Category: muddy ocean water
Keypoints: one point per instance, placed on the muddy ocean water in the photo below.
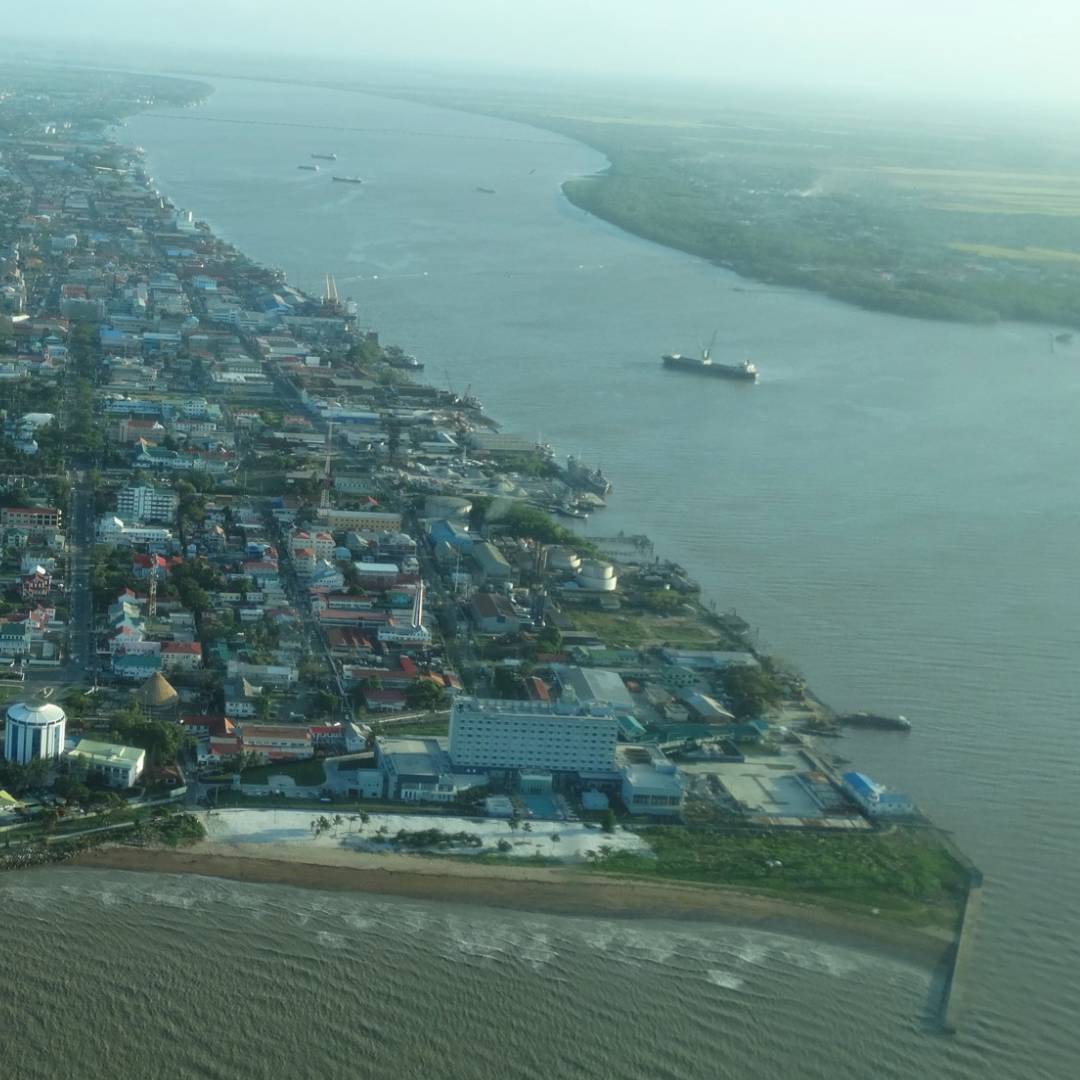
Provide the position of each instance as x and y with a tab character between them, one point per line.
895	505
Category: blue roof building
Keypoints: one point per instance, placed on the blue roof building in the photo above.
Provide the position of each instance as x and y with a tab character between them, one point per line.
875	799
454	534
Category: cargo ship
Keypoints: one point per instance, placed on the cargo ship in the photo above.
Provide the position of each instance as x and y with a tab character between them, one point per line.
348	180
325	157
706	366
580	475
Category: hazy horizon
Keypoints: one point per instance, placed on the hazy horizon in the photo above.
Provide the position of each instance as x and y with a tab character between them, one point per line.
928	50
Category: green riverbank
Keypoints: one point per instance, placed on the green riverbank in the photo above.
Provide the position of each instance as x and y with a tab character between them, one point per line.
917	215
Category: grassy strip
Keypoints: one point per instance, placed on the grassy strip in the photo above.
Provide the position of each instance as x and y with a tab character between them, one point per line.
906	873
309	773
422	727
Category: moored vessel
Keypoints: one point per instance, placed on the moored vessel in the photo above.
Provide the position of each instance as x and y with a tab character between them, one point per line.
874	720
579	475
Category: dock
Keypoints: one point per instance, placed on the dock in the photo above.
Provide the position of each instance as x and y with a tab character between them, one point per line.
952	996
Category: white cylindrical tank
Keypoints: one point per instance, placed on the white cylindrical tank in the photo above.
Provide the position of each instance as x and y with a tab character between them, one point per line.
559	558
34	730
597	576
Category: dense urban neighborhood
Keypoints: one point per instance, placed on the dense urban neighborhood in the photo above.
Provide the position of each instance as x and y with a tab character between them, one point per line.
250	561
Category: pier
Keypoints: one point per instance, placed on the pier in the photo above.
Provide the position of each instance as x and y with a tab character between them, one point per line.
952	996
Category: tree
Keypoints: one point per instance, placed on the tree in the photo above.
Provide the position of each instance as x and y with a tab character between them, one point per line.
750	689
506	683
608	821
549	640
325	701
425	694
662	601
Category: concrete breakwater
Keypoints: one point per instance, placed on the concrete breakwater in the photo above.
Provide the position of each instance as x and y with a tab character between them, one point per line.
960	955
952	996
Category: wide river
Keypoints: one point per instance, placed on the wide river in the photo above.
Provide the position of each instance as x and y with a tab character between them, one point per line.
896	505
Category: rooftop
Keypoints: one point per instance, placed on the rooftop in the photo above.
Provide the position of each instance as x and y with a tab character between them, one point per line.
157	690
99	753
533	708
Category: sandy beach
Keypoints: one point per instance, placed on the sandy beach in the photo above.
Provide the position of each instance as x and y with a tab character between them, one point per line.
551	890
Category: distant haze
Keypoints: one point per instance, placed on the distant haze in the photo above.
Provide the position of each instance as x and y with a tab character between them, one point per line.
997	49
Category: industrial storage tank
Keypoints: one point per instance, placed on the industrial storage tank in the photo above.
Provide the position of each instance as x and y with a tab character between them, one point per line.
596	575
563	559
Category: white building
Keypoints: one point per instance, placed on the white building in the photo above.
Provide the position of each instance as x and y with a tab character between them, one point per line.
118	766
144	503
34	730
418	769
320	542
112	530
559	736
651	784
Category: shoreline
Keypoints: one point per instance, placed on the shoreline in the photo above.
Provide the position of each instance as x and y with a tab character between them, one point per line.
536	890
549	890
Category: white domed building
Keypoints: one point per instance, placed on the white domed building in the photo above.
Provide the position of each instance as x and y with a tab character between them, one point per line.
34	729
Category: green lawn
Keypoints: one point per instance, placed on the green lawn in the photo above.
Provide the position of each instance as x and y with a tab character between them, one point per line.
615	630
308	773
437	726
906	872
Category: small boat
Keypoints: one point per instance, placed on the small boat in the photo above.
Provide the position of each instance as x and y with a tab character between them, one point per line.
405	362
486	190
566	509
347	179
308	168
325	157
874	720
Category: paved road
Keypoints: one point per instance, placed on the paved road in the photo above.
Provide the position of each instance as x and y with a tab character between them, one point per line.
82	653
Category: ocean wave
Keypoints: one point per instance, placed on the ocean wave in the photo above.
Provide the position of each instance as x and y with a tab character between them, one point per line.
724	978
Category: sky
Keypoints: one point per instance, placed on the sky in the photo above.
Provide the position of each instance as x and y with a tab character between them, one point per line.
965	49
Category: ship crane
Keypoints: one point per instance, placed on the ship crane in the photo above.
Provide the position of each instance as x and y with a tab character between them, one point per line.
706	352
